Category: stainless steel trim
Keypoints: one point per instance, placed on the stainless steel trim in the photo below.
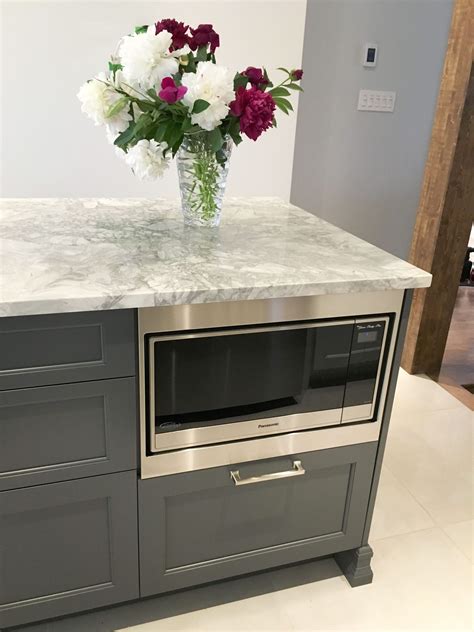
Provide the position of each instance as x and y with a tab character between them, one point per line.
254	330
261	311
298	470
175	440
169	318
281	445
366	411
357	413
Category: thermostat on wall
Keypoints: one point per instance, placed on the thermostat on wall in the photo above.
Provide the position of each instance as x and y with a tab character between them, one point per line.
369	58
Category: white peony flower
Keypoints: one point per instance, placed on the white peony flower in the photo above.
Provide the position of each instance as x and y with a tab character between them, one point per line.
214	84
97	98
147	159
146	58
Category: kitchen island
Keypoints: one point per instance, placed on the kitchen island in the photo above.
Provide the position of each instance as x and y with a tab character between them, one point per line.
91	512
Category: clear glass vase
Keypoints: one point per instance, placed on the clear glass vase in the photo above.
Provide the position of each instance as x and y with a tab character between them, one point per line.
202	179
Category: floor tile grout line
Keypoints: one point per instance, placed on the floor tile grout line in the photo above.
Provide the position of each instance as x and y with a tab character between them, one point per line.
400	535
410	493
471	561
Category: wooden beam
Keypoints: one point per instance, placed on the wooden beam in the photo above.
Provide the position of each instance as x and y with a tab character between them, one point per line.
446	207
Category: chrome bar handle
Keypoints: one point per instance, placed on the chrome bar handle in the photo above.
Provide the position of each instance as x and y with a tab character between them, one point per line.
298	470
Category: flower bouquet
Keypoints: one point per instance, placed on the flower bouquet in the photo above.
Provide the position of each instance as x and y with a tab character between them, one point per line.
164	95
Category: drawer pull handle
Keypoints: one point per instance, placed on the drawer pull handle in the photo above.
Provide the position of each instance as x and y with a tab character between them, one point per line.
298	470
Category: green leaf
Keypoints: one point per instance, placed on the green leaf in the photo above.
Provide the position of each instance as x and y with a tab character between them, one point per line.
215	139
126	136
284	105
146	106
234	130
279	102
191	65
295	86
279	92
240	81
141	29
285	70
160	133
200	105
144	121
114	67
116	107
201	55
267	79
221	157
186	124
152	93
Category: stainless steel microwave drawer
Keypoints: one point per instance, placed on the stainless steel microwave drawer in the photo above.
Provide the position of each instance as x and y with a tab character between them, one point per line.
56	433
210	524
63	348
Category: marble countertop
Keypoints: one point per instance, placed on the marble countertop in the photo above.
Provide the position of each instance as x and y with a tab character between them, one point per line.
62	255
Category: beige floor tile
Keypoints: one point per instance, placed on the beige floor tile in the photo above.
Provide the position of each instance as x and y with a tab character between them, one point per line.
448	433
462	534
421	582
430	453
419	393
396	511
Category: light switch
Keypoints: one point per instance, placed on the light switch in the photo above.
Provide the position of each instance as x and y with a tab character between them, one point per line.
376	101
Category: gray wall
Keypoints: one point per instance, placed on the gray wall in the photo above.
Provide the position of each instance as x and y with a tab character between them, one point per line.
363	170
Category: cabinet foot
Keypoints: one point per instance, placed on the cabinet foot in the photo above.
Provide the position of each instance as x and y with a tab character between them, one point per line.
355	564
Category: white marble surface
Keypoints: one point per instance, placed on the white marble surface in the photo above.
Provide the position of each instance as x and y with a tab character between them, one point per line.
60	255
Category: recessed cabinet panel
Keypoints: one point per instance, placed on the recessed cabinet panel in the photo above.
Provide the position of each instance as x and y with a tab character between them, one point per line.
256	516
56	433
200	526
63	348
67	547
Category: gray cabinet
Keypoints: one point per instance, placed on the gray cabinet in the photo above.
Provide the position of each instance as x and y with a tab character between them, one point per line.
64	348
199	526
56	433
67	547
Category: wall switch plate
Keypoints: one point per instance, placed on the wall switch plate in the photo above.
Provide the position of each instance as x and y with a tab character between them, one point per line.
376	101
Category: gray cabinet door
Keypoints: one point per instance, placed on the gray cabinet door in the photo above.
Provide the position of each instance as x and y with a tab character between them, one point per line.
199	526
63	348
67	547
57	433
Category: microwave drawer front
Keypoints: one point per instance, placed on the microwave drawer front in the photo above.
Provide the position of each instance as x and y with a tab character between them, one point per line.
207	525
64	348
57	433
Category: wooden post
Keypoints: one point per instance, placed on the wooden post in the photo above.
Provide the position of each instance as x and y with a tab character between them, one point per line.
446	208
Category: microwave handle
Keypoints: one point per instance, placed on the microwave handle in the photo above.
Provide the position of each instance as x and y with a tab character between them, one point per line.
298	470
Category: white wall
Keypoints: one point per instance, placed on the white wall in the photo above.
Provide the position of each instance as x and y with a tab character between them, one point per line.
49	49
363	170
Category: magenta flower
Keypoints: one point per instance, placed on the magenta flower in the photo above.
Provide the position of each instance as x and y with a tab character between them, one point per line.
204	35
296	75
256	77
177	29
170	92
255	110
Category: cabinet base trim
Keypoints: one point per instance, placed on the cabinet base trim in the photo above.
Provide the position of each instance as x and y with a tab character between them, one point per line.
355	564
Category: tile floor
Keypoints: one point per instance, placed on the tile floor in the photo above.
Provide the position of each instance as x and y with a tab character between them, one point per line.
422	536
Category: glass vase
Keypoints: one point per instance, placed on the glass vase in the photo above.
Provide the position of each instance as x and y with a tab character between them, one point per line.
202	178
